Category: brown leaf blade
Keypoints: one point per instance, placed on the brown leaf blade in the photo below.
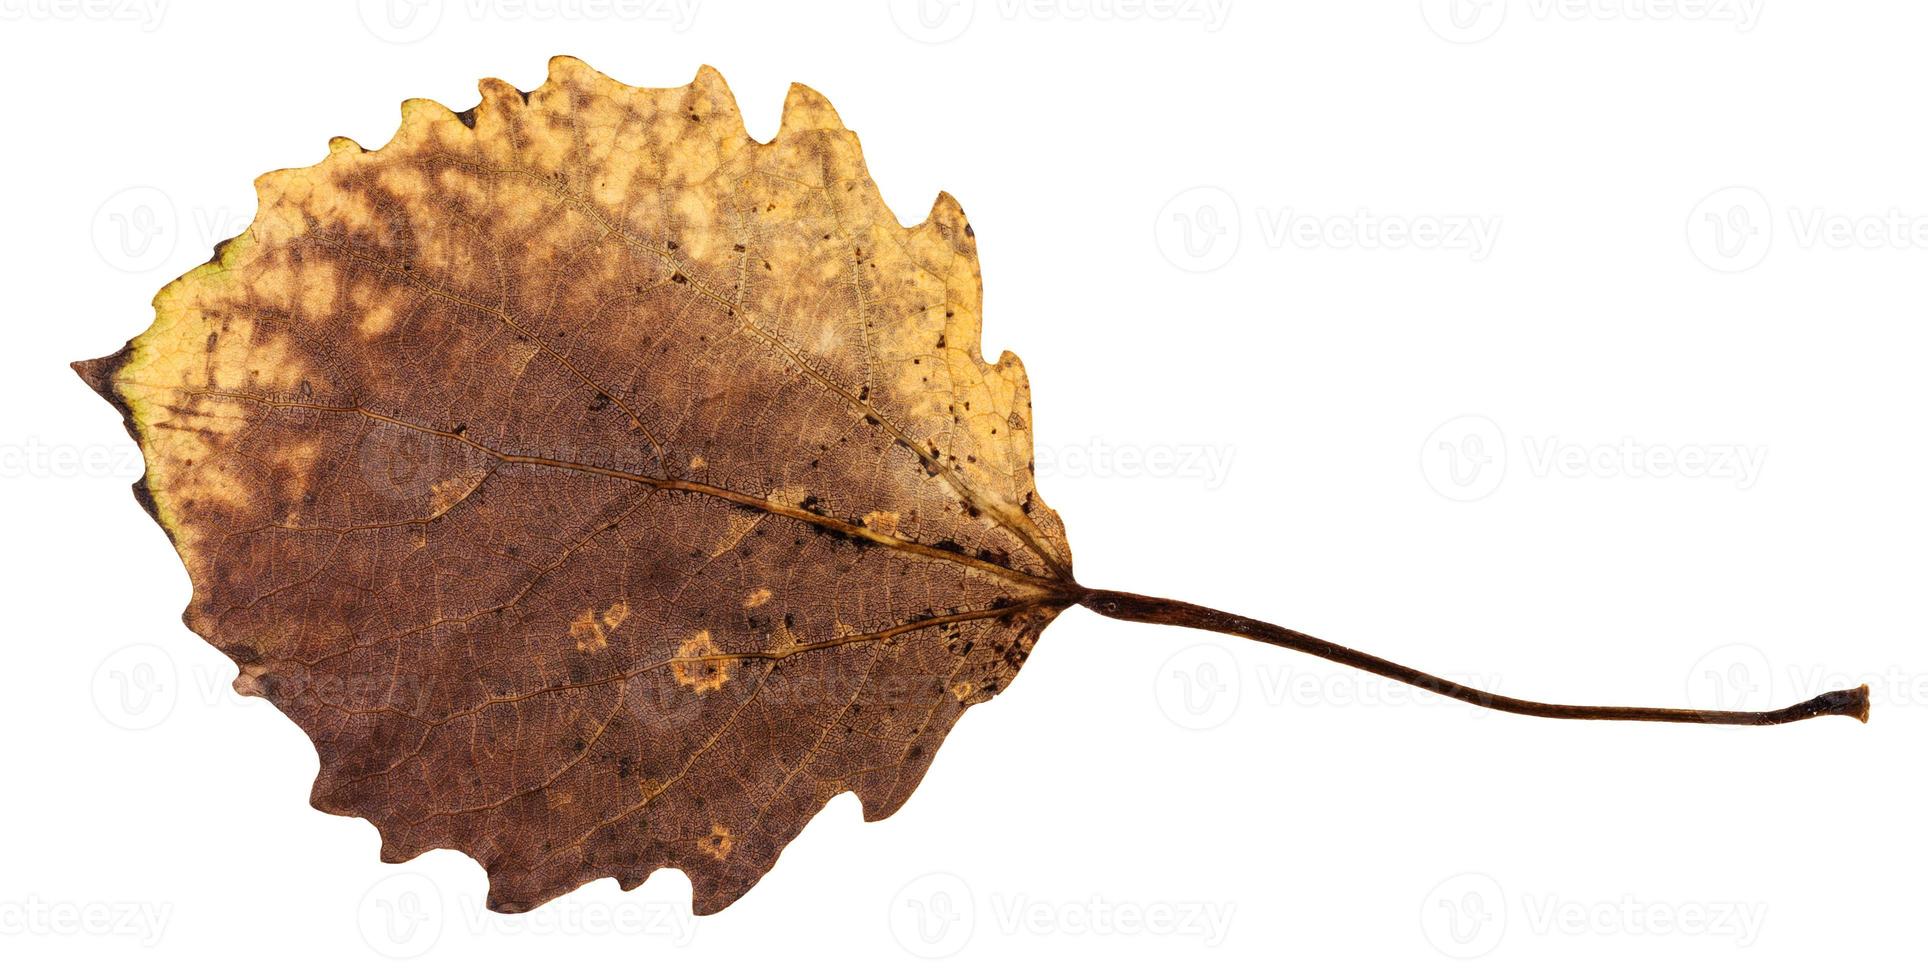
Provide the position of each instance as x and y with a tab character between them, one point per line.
600	489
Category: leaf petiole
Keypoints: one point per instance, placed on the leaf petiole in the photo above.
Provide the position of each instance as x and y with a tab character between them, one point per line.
1852	702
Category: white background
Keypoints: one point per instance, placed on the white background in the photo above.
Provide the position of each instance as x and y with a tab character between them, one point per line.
1573	349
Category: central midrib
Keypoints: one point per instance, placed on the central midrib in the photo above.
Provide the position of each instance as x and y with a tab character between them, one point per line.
1042	584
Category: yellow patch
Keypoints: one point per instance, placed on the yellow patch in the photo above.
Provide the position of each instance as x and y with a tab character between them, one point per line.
700	664
718	843
615	614
757	598
241	361
882	521
378	310
446	493
589	631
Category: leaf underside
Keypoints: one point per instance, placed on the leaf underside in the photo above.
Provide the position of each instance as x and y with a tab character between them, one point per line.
600	489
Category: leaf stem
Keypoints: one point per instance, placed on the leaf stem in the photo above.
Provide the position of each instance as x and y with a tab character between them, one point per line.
1852	703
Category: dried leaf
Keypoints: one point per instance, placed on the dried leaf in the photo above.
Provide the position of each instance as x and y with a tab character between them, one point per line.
602	490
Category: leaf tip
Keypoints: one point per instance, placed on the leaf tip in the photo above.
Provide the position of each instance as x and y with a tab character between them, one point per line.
99	374
95	372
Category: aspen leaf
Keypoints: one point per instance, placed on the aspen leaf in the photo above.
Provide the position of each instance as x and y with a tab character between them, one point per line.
603	490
